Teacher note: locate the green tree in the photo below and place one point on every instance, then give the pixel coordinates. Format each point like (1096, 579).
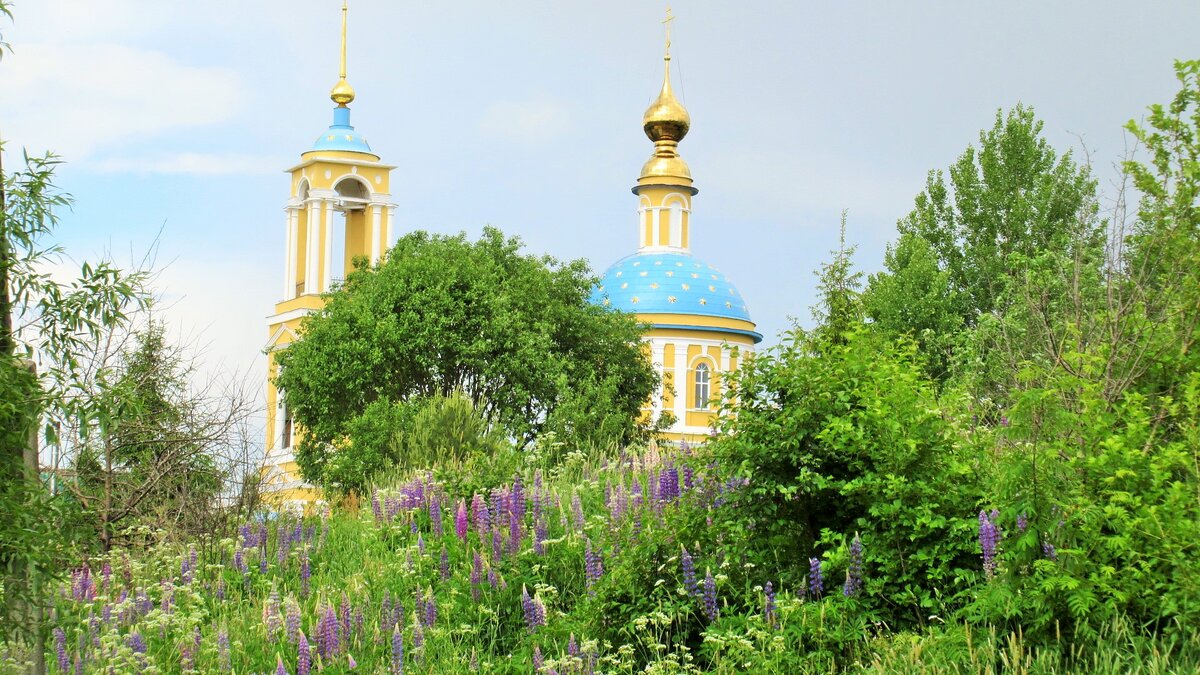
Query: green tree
(968, 245)
(50, 320)
(516, 334)
(155, 454)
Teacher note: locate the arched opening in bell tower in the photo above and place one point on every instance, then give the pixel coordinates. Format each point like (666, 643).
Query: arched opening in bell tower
(352, 232)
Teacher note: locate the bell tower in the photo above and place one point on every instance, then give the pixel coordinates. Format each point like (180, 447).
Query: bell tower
(339, 211)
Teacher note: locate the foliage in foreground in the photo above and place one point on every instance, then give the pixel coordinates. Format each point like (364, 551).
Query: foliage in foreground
(598, 567)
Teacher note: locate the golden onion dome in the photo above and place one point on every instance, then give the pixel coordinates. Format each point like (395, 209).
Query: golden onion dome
(666, 122)
(666, 119)
(342, 92)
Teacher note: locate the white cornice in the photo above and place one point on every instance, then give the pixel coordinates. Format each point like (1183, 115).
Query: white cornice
(336, 160)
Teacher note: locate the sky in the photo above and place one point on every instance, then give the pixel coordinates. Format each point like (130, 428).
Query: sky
(177, 119)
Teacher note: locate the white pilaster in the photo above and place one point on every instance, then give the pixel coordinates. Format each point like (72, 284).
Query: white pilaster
(654, 225)
(289, 265)
(681, 384)
(391, 217)
(376, 216)
(676, 227)
(313, 221)
(657, 347)
(327, 222)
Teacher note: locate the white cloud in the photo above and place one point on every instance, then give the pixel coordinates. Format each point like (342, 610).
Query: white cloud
(531, 121)
(77, 99)
(198, 164)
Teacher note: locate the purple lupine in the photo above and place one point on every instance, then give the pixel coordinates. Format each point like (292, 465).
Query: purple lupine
(989, 538)
(136, 642)
(816, 581)
(516, 503)
(460, 520)
(385, 611)
(769, 604)
(421, 544)
(351, 664)
(497, 544)
(303, 656)
(1022, 523)
(221, 589)
(540, 535)
(279, 669)
(397, 652)
(514, 532)
(689, 574)
(239, 561)
(430, 608)
(344, 612)
(577, 511)
(689, 479)
(272, 617)
(854, 571)
(292, 622)
(305, 572)
(473, 664)
(262, 560)
(709, 604)
(534, 616)
(476, 575)
(327, 634)
(435, 513)
(223, 650)
(445, 564)
(480, 515)
(572, 647)
(376, 507)
(538, 661)
(1048, 550)
(593, 567)
(60, 649)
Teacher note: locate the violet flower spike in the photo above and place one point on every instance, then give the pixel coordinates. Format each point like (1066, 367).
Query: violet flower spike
(816, 581)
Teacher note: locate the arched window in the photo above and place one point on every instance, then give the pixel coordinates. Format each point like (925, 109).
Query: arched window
(702, 376)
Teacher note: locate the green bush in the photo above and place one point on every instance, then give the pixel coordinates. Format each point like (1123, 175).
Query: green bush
(846, 436)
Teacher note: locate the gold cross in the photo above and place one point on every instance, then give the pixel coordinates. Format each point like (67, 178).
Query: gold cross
(667, 22)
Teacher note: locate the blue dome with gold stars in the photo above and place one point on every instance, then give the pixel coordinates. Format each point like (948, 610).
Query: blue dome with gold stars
(669, 283)
(342, 136)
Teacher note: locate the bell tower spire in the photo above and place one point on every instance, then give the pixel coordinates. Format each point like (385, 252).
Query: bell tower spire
(342, 93)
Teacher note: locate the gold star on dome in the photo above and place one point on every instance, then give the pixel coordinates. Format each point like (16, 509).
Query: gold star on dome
(703, 301)
(637, 263)
(625, 285)
(695, 276)
(634, 299)
(657, 262)
(712, 289)
(654, 285)
(670, 274)
(729, 305)
(642, 274)
(679, 264)
(619, 273)
(349, 137)
(671, 299)
(714, 277)
(329, 137)
(685, 286)
(732, 292)
(607, 302)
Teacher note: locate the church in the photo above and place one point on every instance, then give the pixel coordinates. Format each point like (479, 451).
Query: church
(699, 325)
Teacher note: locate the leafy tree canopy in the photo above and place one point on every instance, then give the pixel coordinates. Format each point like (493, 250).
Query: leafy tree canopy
(514, 333)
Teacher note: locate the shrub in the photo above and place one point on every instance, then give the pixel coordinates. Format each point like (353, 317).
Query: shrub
(845, 436)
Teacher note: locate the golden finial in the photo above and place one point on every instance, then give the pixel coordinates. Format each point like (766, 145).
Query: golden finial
(666, 122)
(342, 92)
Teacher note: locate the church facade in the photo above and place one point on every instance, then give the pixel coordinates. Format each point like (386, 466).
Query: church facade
(340, 208)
